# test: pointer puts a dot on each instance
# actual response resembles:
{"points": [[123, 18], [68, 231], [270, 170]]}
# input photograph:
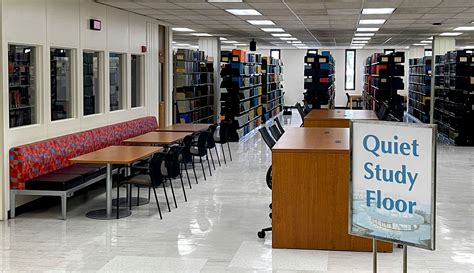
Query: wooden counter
{"points": [[338, 118], [310, 193]]}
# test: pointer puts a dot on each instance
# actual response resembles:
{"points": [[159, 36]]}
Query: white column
{"points": [[4, 181], [440, 46], [168, 77], [212, 48]]}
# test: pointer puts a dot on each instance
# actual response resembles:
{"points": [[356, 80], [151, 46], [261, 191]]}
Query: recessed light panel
{"points": [[464, 29], [357, 47], [364, 34], [426, 42], [182, 29], [222, 39], [181, 44], [360, 42], [281, 35], [288, 38], [273, 29], [378, 11], [261, 22], [367, 29], [243, 12], [450, 34], [201, 34], [372, 22], [361, 38], [229, 42], [420, 44]]}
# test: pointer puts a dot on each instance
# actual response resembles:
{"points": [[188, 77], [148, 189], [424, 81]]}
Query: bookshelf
{"points": [[382, 79], [21, 85], [193, 87], [419, 90], [272, 88], [319, 81], [454, 97], [241, 91]]}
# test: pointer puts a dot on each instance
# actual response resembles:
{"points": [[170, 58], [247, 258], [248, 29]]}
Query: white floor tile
{"points": [[153, 264]]}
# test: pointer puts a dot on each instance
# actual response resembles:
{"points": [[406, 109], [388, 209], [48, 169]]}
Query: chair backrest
{"points": [[224, 132], [202, 142], [267, 137], [210, 139], [172, 162], [277, 122], [275, 132], [156, 176], [300, 110]]}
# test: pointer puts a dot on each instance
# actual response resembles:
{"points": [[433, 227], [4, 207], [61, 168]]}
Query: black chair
{"points": [[186, 157], [172, 168], [275, 132], [199, 149], [277, 122], [261, 233], [267, 137], [211, 144], [301, 112], [150, 177], [223, 138]]}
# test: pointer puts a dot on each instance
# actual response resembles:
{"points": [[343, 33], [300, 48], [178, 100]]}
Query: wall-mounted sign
{"points": [[95, 24], [393, 174]]}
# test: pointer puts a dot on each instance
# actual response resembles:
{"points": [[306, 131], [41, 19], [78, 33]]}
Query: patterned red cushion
{"points": [[35, 159]]}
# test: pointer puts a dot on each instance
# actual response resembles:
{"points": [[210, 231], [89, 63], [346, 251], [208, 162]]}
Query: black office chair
{"points": [[277, 122], [267, 137], [186, 157], [211, 144], [150, 177], [172, 168], [199, 149], [301, 112], [223, 138], [275, 132], [357, 101], [261, 233]]}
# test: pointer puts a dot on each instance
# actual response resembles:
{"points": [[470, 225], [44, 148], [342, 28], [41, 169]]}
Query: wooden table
{"points": [[338, 118], [120, 155], [157, 138], [184, 127], [310, 195], [353, 97]]}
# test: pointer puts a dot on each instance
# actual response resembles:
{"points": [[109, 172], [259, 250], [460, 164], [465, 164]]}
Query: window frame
{"points": [[73, 84], [275, 50], [141, 101], [101, 84], [345, 69], [124, 74]]}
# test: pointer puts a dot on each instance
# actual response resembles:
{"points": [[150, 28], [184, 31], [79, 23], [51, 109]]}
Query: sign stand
{"points": [[405, 258], [374, 258]]}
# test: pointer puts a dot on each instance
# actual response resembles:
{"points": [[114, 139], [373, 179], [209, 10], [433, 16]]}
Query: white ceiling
{"points": [[316, 23]]}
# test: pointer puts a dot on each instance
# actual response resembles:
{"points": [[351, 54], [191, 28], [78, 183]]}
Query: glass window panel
{"points": [[116, 81], [137, 82], [350, 70], [91, 82], [275, 53], [61, 85], [22, 85]]}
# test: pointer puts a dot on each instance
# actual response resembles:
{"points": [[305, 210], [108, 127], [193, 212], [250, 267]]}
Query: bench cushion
{"points": [[43, 157], [54, 182], [86, 173]]}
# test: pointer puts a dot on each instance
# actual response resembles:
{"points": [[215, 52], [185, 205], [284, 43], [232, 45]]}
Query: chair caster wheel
{"points": [[261, 234]]}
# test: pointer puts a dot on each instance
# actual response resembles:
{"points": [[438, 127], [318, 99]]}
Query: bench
{"points": [[43, 168]]}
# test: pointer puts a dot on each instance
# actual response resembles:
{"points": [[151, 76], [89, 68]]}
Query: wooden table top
{"points": [[320, 114], [157, 138], [123, 155], [354, 95], [301, 139], [184, 127]]}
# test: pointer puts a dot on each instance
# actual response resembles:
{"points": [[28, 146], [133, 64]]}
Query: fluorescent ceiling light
{"points": [[201, 34], [273, 29], [378, 11], [464, 28], [360, 42], [182, 29], [361, 38], [450, 34], [431, 38], [281, 35], [288, 38], [420, 44], [229, 42], [364, 34], [243, 12], [357, 47], [261, 22], [366, 29], [222, 39], [194, 46], [427, 42], [181, 44], [173, 42], [372, 22]]}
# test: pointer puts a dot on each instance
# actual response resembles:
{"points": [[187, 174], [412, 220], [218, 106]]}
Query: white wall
{"points": [[60, 23], [293, 73]]}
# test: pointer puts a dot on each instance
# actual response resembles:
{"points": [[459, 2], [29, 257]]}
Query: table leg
{"points": [[108, 191], [350, 102]]}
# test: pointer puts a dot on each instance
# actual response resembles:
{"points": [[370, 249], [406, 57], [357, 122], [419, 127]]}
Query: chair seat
{"points": [[54, 182], [195, 151], [140, 180]]}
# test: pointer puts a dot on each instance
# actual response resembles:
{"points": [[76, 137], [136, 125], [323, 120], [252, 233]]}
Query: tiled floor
{"points": [[215, 231]]}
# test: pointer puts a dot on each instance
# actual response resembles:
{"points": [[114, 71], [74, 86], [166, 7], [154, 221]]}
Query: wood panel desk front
{"points": [[311, 190], [338, 118]]}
